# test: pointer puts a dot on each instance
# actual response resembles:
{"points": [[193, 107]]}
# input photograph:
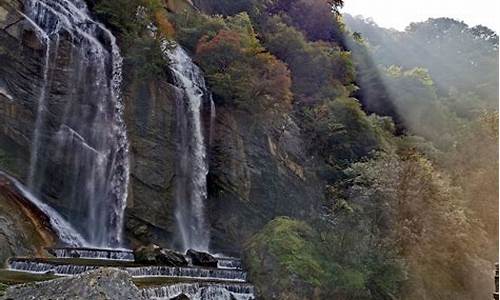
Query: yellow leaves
{"points": [[165, 28]]}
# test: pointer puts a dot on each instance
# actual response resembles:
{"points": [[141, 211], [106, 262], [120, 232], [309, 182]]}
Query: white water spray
{"points": [[87, 149], [66, 233], [192, 166]]}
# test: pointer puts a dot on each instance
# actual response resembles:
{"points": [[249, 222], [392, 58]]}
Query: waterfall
{"points": [[40, 113], [83, 147], [192, 166], [63, 229]]}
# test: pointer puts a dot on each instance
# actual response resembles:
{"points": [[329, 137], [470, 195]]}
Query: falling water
{"points": [[62, 228], [192, 168], [84, 148], [40, 112]]}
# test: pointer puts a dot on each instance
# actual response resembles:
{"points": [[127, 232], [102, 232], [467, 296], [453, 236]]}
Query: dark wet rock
{"points": [[256, 174], [102, 284], [24, 230], [150, 117], [181, 297], [154, 255], [202, 259]]}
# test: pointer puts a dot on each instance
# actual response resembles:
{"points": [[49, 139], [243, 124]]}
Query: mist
{"points": [[438, 81]]}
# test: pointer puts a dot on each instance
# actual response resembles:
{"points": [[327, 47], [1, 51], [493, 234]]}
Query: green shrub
{"points": [[133, 20]]}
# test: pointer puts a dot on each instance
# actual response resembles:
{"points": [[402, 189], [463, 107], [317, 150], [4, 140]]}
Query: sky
{"points": [[400, 13]]}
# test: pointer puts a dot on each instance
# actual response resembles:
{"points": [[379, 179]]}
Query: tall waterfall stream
{"points": [[90, 145], [192, 166]]}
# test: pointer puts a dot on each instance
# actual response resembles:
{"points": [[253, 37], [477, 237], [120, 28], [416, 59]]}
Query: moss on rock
{"points": [[284, 261]]}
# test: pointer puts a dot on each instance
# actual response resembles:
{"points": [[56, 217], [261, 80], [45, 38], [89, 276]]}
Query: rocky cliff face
{"points": [[150, 115], [20, 75], [256, 173], [21, 232], [24, 229]]}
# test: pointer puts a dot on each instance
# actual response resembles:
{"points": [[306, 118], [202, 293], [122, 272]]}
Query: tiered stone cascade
{"points": [[161, 282]]}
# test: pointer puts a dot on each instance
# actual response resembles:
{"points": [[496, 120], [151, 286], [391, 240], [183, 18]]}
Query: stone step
{"points": [[229, 263], [188, 272], [93, 253], [71, 266], [10, 277], [86, 262], [201, 290], [159, 288]]}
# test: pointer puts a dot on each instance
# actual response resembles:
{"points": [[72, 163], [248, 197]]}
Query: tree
{"points": [[319, 70], [341, 132], [414, 207], [241, 74], [317, 19]]}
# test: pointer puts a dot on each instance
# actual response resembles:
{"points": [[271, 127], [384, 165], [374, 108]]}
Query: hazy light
{"points": [[400, 13]]}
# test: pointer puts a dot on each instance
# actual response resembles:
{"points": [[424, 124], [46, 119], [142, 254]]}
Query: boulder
{"points": [[171, 258], [102, 284], [181, 297], [154, 255], [202, 259]]}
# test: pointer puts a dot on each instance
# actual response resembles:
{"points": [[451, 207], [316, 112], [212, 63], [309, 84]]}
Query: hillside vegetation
{"points": [[347, 161]]}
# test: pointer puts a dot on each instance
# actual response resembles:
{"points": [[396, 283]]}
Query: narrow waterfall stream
{"points": [[84, 146], [192, 167]]}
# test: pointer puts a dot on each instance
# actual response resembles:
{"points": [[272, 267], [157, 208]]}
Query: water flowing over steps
{"points": [[227, 281], [90, 253]]}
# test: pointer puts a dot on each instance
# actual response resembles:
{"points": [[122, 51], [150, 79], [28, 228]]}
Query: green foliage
{"points": [[405, 205], [341, 132], [292, 246], [226, 7], [319, 70], [414, 95], [473, 165], [450, 112], [3, 288], [134, 20], [240, 73], [305, 265], [290, 241], [146, 56], [456, 55], [317, 19], [191, 27]]}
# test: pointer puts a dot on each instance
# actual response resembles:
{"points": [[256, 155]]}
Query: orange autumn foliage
{"points": [[165, 27]]}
